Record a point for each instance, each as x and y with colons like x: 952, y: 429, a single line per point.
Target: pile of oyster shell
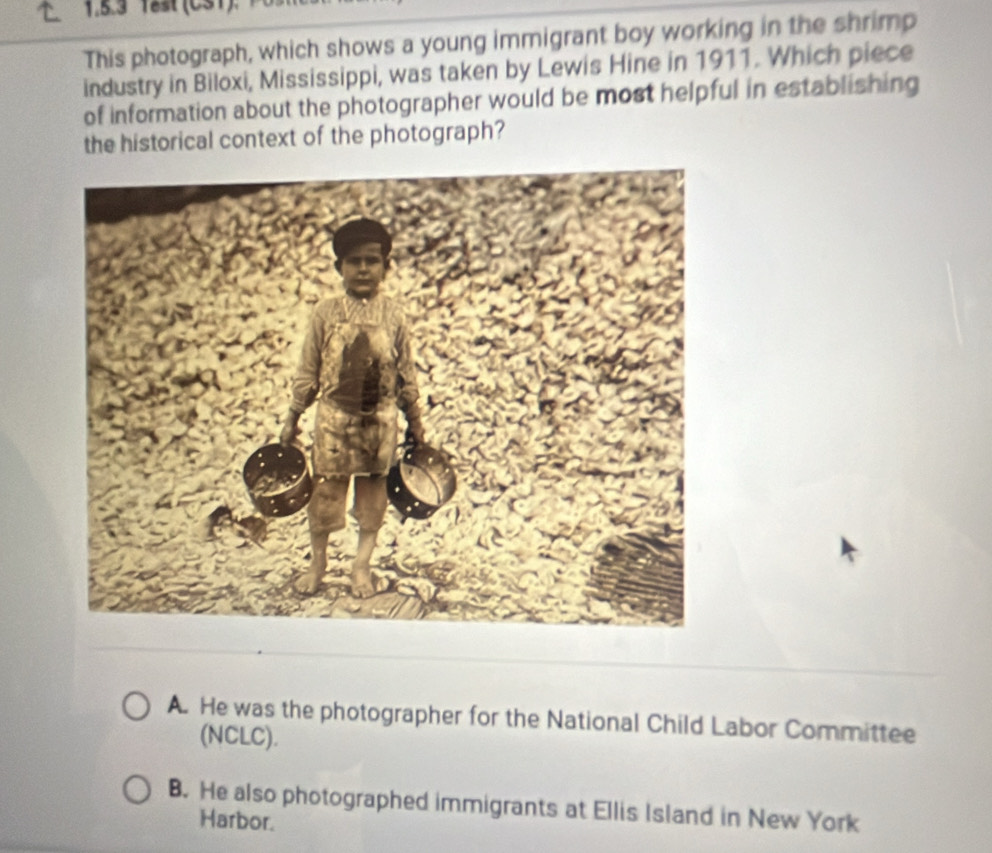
x: 547, y: 321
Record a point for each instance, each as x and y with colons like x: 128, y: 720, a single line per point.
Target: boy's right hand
x: 290, y: 431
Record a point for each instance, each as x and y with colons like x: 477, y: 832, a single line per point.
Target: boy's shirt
x: 356, y: 358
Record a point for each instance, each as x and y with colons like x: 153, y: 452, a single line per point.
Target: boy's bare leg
x: 309, y: 582
x: 361, y: 574
x: 325, y: 513
x: 370, y: 509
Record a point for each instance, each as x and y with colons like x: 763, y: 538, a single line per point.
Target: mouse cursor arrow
x: 847, y: 550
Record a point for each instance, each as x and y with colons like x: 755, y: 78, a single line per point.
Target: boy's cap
x: 358, y: 232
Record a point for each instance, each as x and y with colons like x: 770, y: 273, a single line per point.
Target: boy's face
x: 363, y: 269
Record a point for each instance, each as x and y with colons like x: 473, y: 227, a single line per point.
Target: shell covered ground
x: 547, y: 321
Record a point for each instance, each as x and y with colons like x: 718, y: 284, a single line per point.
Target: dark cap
x: 357, y: 232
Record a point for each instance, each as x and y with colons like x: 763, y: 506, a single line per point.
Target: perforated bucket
x: 421, y: 482
x: 278, y: 479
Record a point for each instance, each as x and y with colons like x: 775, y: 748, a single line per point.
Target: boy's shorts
x: 326, y: 509
x: 344, y: 443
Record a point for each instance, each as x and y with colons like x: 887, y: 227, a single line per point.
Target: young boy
x: 356, y: 363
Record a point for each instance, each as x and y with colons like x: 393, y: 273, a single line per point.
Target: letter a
x: 175, y: 706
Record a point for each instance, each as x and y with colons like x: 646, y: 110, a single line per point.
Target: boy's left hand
x: 415, y: 433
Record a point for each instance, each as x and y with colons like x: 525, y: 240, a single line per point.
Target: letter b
x: 175, y: 788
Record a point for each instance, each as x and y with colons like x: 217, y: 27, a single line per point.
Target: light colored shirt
x: 357, y: 356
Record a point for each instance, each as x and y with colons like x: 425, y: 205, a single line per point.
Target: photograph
x: 448, y: 398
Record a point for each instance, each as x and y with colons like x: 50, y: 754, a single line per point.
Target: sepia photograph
x: 456, y: 399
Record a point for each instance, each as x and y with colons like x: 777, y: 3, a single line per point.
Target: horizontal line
x: 310, y: 25
x: 780, y: 670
